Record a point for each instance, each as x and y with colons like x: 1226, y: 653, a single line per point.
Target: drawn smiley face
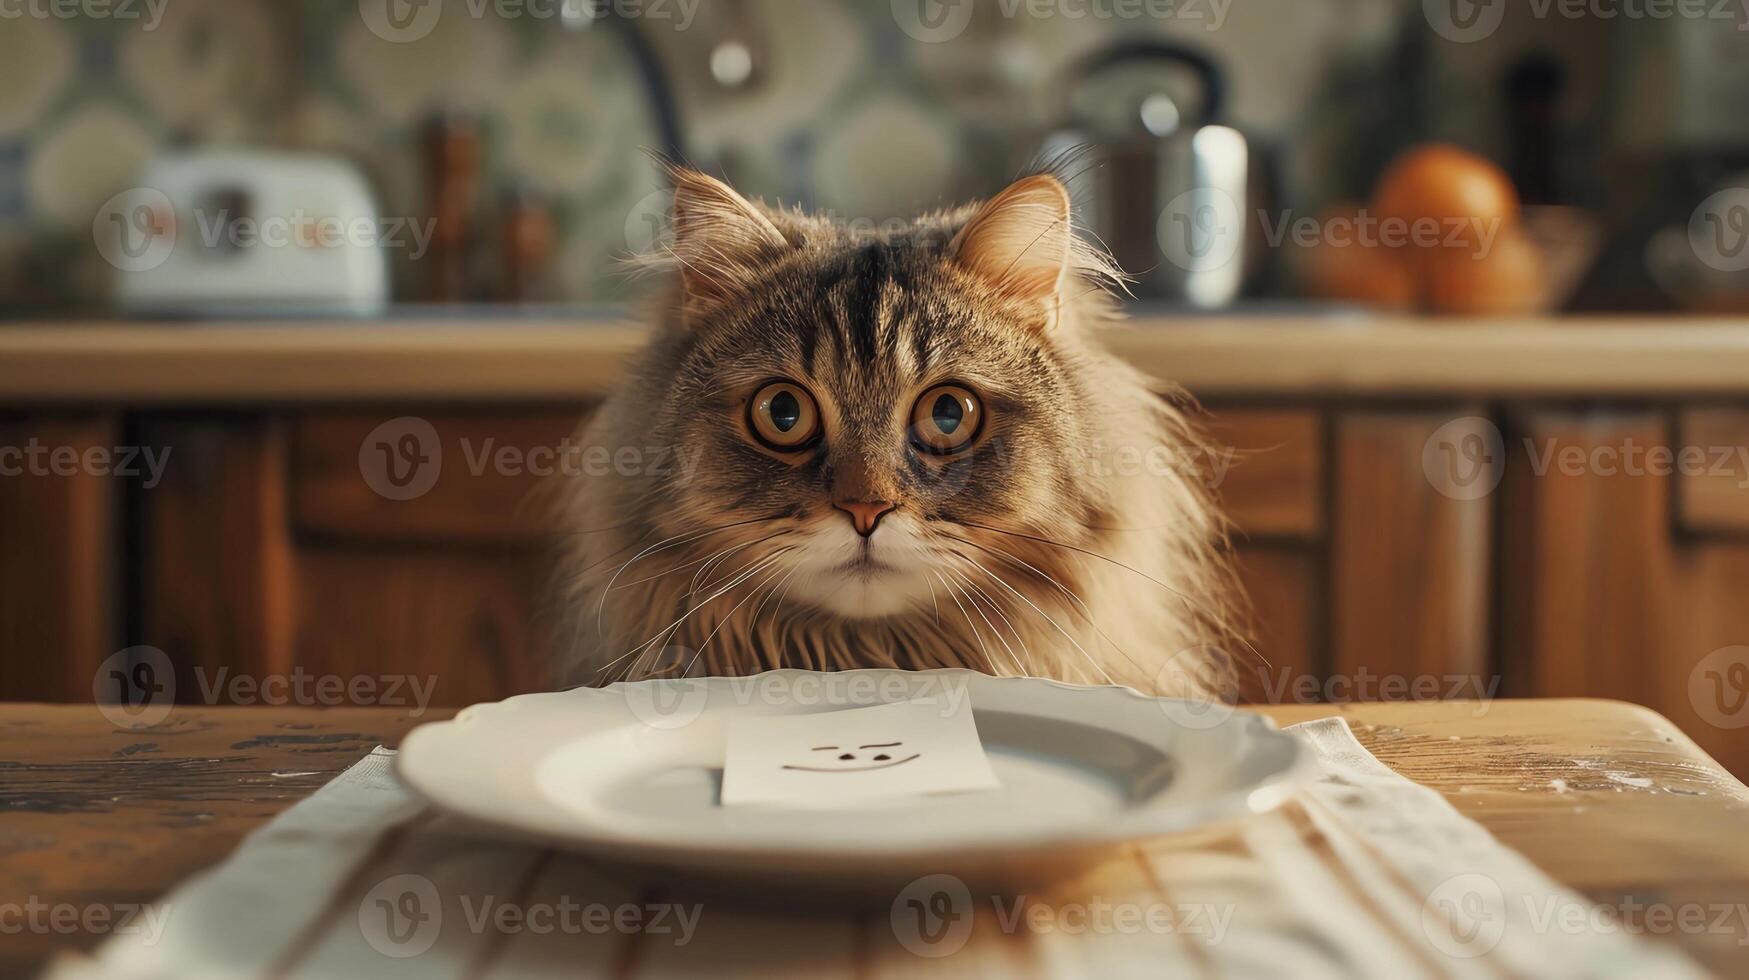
x: 863, y: 758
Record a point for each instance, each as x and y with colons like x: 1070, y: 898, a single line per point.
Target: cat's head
x: 876, y: 409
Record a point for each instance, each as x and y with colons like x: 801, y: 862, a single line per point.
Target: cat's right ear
x: 719, y: 236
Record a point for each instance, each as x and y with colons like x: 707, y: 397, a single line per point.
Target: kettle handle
x: 1214, y: 83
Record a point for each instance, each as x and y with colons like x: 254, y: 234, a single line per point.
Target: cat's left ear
x: 1019, y: 241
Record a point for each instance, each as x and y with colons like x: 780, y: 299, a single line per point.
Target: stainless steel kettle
x: 1155, y: 174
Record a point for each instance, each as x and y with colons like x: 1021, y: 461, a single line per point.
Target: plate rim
x: 1266, y: 794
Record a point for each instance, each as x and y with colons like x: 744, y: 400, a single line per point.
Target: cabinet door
x: 1271, y: 477
x: 1625, y: 567
x: 283, y: 558
x: 61, y: 486
x: 1410, y: 553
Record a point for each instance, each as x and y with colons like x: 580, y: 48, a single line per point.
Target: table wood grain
x: 1608, y: 798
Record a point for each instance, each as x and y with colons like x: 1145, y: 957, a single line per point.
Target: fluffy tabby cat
x: 897, y: 448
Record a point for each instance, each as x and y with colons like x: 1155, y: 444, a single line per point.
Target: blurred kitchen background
x: 521, y: 126
x: 302, y: 300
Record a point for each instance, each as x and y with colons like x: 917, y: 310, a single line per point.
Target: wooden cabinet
x: 59, y: 553
x: 273, y: 549
x: 1519, y: 551
x: 1625, y: 566
x: 1390, y: 551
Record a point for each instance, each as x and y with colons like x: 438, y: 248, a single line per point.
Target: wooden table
x: 1609, y: 798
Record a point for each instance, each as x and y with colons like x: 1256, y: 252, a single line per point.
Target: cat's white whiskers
x: 1086, y: 612
x: 1080, y: 551
x: 666, y: 543
x: 753, y: 626
x: 969, y: 587
x: 702, y: 575
x: 989, y: 662
x: 737, y: 606
x: 708, y: 558
x: 996, y: 608
x: 1189, y: 602
x: 1054, y: 624
x: 671, y: 627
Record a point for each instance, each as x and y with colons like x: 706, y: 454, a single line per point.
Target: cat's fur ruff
x: 1079, y: 541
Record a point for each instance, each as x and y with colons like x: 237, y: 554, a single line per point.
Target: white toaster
x: 240, y: 233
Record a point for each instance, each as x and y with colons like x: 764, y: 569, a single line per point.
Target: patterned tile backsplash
x: 868, y: 108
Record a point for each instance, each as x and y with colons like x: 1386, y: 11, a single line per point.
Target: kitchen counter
x: 524, y: 361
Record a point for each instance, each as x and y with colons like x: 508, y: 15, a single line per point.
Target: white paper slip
x: 844, y: 759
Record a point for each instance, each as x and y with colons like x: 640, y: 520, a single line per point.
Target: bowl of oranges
x: 1444, y: 232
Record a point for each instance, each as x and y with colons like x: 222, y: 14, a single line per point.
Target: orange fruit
x: 1508, y: 277
x: 1347, y: 263
x: 1440, y: 192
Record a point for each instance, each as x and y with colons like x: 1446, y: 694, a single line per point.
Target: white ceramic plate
x: 631, y: 772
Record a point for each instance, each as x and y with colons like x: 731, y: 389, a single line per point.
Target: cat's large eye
x: 946, y: 420
x: 784, y: 417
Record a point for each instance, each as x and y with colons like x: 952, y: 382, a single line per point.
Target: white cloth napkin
x: 1367, y: 875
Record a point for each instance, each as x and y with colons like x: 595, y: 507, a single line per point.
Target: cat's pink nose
x: 865, y: 514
